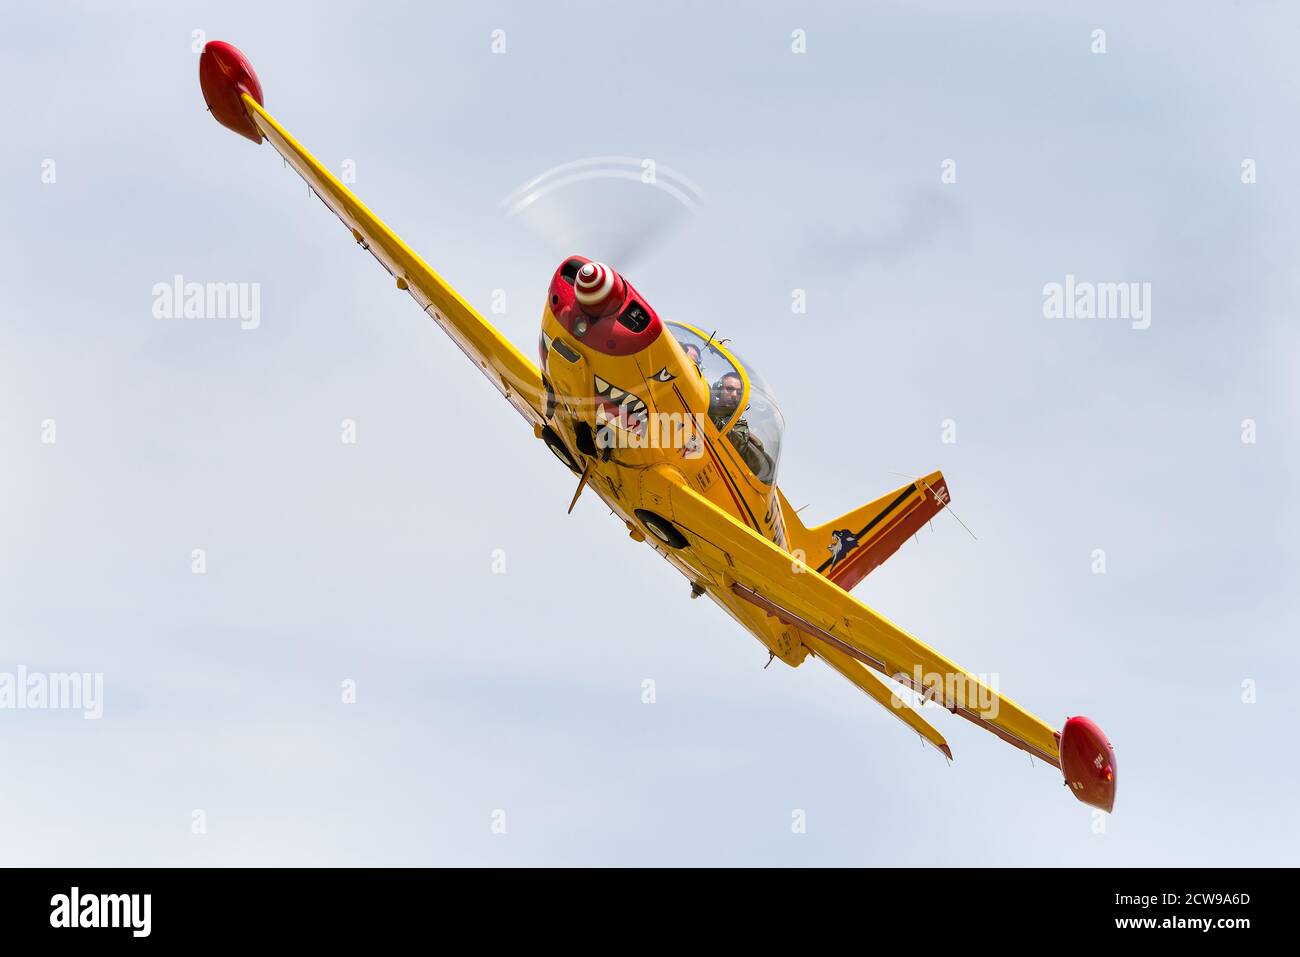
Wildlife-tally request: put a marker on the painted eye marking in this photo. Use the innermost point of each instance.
(663, 375)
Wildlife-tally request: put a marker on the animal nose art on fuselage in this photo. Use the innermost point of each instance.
(619, 408)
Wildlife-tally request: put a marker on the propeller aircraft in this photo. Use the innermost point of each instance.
(681, 439)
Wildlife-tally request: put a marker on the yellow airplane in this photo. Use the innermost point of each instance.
(681, 439)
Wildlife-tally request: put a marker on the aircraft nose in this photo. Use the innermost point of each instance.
(598, 289)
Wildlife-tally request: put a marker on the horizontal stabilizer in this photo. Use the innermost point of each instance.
(865, 679)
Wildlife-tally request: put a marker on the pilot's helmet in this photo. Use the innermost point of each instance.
(721, 387)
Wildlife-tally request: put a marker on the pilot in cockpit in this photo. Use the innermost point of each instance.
(724, 397)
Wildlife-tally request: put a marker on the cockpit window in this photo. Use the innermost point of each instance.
(710, 361)
(745, 412)
(757, 433)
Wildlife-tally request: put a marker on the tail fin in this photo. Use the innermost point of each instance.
(847, 549)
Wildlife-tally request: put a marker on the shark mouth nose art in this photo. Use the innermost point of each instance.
(620, 408)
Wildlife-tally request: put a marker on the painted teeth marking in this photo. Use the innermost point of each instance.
(617, 408)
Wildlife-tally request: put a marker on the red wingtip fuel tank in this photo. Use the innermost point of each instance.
(1088, 762)
(225, 75)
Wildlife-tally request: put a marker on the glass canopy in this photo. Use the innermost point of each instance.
(741, 404)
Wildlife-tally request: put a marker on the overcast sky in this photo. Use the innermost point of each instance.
(516, 698)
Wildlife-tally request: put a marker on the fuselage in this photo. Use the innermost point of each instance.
(625, 396)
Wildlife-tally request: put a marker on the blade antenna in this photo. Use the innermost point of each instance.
(582, 483)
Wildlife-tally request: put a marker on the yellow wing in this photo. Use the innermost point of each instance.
(761, 573)
(518, 379)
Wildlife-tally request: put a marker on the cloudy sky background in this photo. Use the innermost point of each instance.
(522, 691)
